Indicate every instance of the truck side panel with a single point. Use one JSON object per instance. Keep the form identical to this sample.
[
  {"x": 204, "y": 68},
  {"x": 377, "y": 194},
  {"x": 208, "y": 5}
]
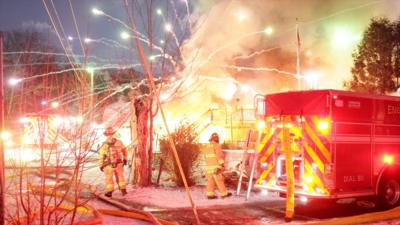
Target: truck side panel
[
  {"x": 353, "y": 167},
  {"x": 352, "y": 109}
]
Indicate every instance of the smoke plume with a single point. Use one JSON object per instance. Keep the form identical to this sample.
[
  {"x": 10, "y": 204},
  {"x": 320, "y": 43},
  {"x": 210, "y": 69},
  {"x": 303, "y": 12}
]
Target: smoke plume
[{"x": 242, "y": 47}]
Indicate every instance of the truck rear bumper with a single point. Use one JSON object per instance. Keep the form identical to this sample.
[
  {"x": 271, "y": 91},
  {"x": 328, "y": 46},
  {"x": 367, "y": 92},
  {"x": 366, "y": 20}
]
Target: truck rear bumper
[{"x": 297, "y": 192}]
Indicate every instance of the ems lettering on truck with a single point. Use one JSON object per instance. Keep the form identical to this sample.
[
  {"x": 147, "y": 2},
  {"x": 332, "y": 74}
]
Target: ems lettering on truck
[{"x": 392, "y": 109}]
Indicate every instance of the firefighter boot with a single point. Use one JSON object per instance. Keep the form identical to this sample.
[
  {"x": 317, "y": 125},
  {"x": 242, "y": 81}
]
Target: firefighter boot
[
  {"x": 227, "y": 195},
  {"x": 108, "y": 194},
  {"x": 123, "y": 191}
]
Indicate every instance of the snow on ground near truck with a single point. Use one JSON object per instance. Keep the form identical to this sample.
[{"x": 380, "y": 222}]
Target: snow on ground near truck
[{"x": 170, "y": 197}]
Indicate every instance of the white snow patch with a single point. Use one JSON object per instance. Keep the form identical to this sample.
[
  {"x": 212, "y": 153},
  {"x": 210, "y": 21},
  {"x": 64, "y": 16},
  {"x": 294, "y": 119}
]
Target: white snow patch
[{"x": 173, "y": 197}]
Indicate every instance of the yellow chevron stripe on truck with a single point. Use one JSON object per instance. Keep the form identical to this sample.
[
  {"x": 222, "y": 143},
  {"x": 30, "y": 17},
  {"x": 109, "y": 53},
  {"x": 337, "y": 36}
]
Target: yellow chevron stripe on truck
[
  {"x": 270, "y": 149},
  {"x": 265, "y": 173},
  {"x": 315, "y": 158},
  {"x": 266, "y": 154},
  {"x": 265, "y": 140},
  {"x": 325, "y": 152},
  {"x": 315, "y": 178}
]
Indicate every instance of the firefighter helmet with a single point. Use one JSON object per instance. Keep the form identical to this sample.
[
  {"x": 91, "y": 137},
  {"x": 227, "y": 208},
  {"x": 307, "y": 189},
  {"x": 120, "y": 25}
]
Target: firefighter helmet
[
  {"x": 109, "y": 131},
  {"x": 214, "y": 137}
]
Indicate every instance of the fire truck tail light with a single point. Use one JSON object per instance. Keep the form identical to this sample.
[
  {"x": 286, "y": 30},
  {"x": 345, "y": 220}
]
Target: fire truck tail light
[
  {"x": 323, "y": 126},
  {"x": 308, "y": 179},
  {"x": 388, "y": 159},
  {"x": 303, "y": 199}
]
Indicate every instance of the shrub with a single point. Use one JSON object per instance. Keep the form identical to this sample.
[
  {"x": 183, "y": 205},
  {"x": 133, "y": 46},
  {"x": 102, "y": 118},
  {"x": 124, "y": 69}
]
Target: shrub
[{"x": 188, "y": 151}]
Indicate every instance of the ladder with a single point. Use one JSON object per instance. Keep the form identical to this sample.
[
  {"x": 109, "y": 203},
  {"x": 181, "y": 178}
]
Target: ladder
[{"x": 250, "y": 133}]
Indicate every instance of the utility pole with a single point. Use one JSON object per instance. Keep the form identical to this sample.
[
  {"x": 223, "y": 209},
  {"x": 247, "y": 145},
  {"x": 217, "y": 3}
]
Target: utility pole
[
  {"x": 2, "y": 178},
  {"x": 298, "y": 57}
]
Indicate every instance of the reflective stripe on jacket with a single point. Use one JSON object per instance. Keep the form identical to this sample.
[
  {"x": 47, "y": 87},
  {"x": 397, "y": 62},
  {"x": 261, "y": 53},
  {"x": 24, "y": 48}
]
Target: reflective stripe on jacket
[
  {"x": 112, "y": 153},
  {"x": 214, "y": 157}
]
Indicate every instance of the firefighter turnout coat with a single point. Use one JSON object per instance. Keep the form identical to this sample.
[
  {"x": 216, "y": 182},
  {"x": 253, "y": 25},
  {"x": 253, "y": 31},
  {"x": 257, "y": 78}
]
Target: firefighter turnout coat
[
  {"x": 113, "y": 154},
  {"x": 214, "y": 159}
]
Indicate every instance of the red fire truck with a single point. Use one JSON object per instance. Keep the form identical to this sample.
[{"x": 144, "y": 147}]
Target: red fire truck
[{"x": 344, "y": 144}]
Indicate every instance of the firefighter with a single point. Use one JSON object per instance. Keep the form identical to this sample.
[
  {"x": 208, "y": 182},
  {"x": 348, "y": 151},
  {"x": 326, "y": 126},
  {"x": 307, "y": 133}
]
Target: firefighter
[
  {"x": 214, "y": 168},
  {"x": 113, "y": 157}
]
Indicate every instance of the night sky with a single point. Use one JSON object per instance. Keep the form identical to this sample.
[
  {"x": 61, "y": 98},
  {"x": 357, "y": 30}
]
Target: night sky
[
  {"x": 17, "y": 14},
  {"x": 32, "y": 14},
  {"x": 14, "y": 13}
]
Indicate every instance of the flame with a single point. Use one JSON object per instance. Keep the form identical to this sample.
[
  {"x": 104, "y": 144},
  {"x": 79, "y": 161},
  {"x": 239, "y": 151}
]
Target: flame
[{"x": 239, "y": 48}]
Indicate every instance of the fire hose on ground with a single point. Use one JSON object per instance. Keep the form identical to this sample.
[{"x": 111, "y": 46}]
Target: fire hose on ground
[
  {"x": 49, "y": 190},
  {"x": 360, "y": 219},
  {"x": 129, "y": 212}
]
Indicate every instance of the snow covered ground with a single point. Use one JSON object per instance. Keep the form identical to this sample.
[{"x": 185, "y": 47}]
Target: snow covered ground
[
  {"x": 172, "y": 204},
  {"x": 170, "y": 197},
  {"x": 174, "y": 200}
]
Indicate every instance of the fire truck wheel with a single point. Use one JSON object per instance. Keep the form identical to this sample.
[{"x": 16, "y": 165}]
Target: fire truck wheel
[{"x": 389, "y": 192}]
